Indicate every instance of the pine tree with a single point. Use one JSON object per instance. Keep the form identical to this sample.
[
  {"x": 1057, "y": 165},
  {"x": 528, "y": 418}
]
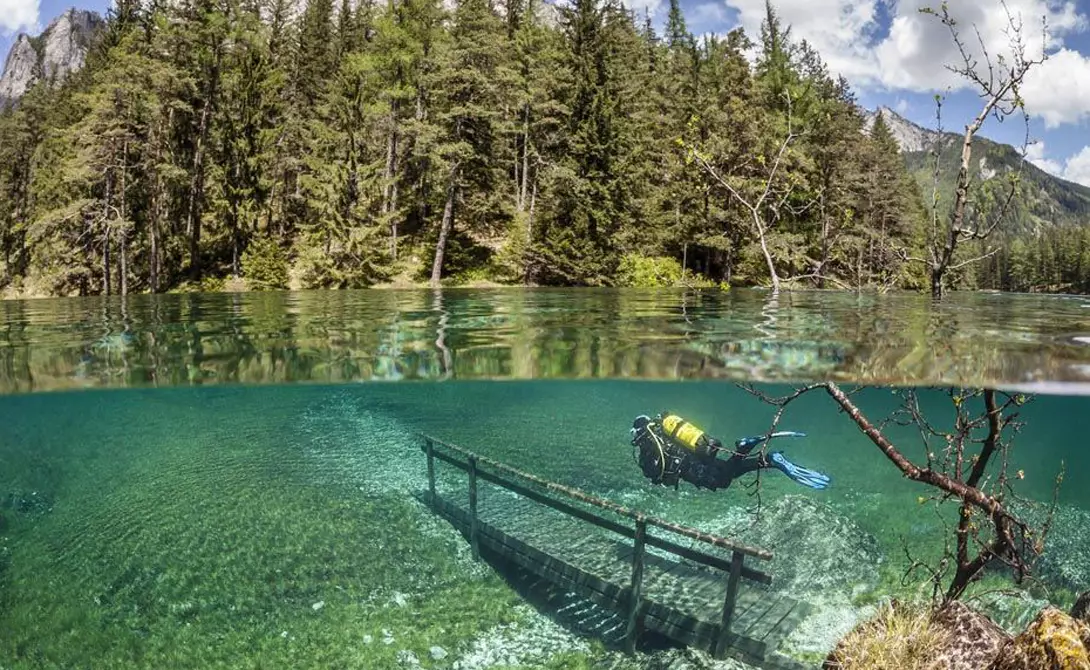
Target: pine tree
[
  {"x": 469, "y": 97},
  {"x": 591, "y": 198}
]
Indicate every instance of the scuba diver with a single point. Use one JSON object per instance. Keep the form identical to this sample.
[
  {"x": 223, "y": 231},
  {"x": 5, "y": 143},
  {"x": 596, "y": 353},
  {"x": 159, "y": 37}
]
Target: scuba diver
[{"x": 672, "y": 449}]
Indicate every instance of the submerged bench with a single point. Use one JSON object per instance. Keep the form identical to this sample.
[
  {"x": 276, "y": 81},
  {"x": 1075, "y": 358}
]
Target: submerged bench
[{"x": 686, "y": 593}]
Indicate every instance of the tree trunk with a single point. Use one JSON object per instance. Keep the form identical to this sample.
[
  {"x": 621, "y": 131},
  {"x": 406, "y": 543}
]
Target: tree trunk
[
  {"x": 106, "y": 230},
  {"x": 196, "y": 184},
  {"x": 444, "y": 230},
  {"x": 157, "y": 200},
  {"x": 389, "y": 195},
  {"x": 121, "y": 242},
  {"x": 525, "y": 158},
  {"x": 764, "y": 249}
]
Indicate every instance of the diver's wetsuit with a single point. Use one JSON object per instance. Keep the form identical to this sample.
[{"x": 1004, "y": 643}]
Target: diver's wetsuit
[{"x": 671, "y": 449}]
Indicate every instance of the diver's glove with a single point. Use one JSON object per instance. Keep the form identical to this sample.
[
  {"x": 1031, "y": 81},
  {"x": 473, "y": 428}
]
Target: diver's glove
[
  {"x": 747, "y": 443},
  {"x": 804, "y": 476}
]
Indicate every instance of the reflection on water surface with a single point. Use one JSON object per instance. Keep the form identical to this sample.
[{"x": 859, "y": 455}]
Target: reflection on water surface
[{"x": 971, "y": 339}]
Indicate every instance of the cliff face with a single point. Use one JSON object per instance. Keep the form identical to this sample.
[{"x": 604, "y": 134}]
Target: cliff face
[
  {"x": 19, "y": 68},
  {"x": 60, "y": 50}
]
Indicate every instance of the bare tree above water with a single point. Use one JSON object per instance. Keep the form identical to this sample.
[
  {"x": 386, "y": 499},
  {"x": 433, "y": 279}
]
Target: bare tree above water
[
  {"x": 765, "y": 198},
  {"x": 998, "y": 83},
  {"x": 968, "y": 464}
]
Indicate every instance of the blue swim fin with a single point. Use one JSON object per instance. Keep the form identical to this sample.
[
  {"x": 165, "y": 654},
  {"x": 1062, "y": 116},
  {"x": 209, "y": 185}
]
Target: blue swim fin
[{"x": 804, "y": 476}]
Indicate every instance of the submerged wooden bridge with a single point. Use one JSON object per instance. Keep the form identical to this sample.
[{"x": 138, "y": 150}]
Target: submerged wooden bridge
[{"x": 706, "y": 597}]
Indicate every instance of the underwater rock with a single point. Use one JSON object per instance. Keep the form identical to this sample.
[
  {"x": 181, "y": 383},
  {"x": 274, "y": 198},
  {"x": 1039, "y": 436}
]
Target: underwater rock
[
  {"x": 954, "y": 637},
  {"x": 1054, "y": 641},
  {"x": 973, "y": 639},
  {"x": 1081, "y": 610}
]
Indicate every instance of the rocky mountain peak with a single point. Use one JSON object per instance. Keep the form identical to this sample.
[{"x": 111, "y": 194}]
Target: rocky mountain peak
[
  {"x": 60, "y": 50},
  {"x": 910, "y": 136}
]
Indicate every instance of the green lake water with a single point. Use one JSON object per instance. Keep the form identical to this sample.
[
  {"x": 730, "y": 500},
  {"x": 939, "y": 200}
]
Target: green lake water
[{"x": 233, "y": 481}]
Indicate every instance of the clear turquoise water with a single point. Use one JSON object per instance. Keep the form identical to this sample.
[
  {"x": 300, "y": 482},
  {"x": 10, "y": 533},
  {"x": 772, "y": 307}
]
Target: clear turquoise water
[{"x": 275, "y": 524}]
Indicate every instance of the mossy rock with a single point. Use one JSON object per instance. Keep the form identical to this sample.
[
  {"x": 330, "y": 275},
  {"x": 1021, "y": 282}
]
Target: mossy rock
[{"x": 1054, "y": 641}]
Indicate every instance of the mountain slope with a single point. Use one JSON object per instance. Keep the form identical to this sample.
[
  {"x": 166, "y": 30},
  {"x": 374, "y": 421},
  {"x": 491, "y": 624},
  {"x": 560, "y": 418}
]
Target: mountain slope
[
  {"x": 1043, "y": 200},
  {"x": 59, "y": 51}
]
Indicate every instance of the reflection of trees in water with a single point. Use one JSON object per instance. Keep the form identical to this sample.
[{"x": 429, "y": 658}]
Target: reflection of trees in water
[{"x": 339, "y": 336}]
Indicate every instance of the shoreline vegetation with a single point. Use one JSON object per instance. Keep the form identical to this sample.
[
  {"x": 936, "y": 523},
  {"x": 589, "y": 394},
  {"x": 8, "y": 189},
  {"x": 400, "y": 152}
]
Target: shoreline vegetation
[{"x": 210, "y": 144}]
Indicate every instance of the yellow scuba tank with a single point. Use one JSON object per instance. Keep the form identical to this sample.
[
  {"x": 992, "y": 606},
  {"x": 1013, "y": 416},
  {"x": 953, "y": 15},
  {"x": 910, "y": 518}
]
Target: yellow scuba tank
[{"x": 686, "y": 434}]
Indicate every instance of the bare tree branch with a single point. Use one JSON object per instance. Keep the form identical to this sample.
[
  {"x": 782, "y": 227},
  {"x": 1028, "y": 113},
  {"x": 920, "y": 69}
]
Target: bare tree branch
[
  {"x": 755, "y": 207},
  {"x": 987, "y": 529},
  {"x": 1000, "y": 90}
]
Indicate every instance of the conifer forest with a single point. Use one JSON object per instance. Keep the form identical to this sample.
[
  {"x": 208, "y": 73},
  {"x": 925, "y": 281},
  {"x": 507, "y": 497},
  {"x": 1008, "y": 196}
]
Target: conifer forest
[{"x": 271, "y": 144}]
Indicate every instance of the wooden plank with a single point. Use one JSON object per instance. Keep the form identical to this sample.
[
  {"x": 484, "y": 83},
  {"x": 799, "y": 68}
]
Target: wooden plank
[
  {"x": 772, "y": 622},
  {"x": 712, "y": 595},
  {"x": 707, "y": 559},
  {"x": 662, "y": 617},
  {"x": 625, "y": 531},
  {"x": 787, "y": 626},
  {"x": 582, "y": 496}
]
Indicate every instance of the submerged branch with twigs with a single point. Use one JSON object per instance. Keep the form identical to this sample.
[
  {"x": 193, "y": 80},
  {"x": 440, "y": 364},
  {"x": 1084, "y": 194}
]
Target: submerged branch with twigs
[{"x": 968, "y": 464}]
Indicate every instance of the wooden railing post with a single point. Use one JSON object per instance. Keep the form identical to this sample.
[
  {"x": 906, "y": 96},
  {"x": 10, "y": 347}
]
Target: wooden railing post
[
  {"x": 431, "y": 471},
  {"x": 635, "y": 585},
  {"x": 736, "y": 560},
  {"x": 473, "y": 507}
]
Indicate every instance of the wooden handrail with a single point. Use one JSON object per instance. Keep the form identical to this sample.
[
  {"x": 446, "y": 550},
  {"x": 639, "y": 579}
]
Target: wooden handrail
[
  {"x": 582, "y": 496},
  {"x": 601, "y": 522}
]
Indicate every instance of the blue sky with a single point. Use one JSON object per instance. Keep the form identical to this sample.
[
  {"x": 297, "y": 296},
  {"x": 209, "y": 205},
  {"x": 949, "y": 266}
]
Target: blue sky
[{"x": 891, "y": 53}]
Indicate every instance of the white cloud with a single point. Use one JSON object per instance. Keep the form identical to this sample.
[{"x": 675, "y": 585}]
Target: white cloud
[
  {"x": 1076, "y": 168},
  {"x": 911, "y": 55},
  {"x": 902, "y": 106},
  {"x": 16, "y": 15},
  {"x": 1059, "y": 91}
]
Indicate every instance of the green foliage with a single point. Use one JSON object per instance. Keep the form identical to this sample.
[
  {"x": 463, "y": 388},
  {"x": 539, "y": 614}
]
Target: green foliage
[
  {"x": 648, "y": 272},
  {"x": 372, "y": 140},
  {"x": 264, "y": 265}
]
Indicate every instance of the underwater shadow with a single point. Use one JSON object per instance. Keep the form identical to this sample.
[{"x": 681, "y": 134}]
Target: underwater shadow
[{"x": 575, "y": 613}]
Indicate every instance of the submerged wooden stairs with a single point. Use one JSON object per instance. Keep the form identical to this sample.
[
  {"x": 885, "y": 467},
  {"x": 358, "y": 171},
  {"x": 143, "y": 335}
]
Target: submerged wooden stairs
[{"x": 701, "y": 593}]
